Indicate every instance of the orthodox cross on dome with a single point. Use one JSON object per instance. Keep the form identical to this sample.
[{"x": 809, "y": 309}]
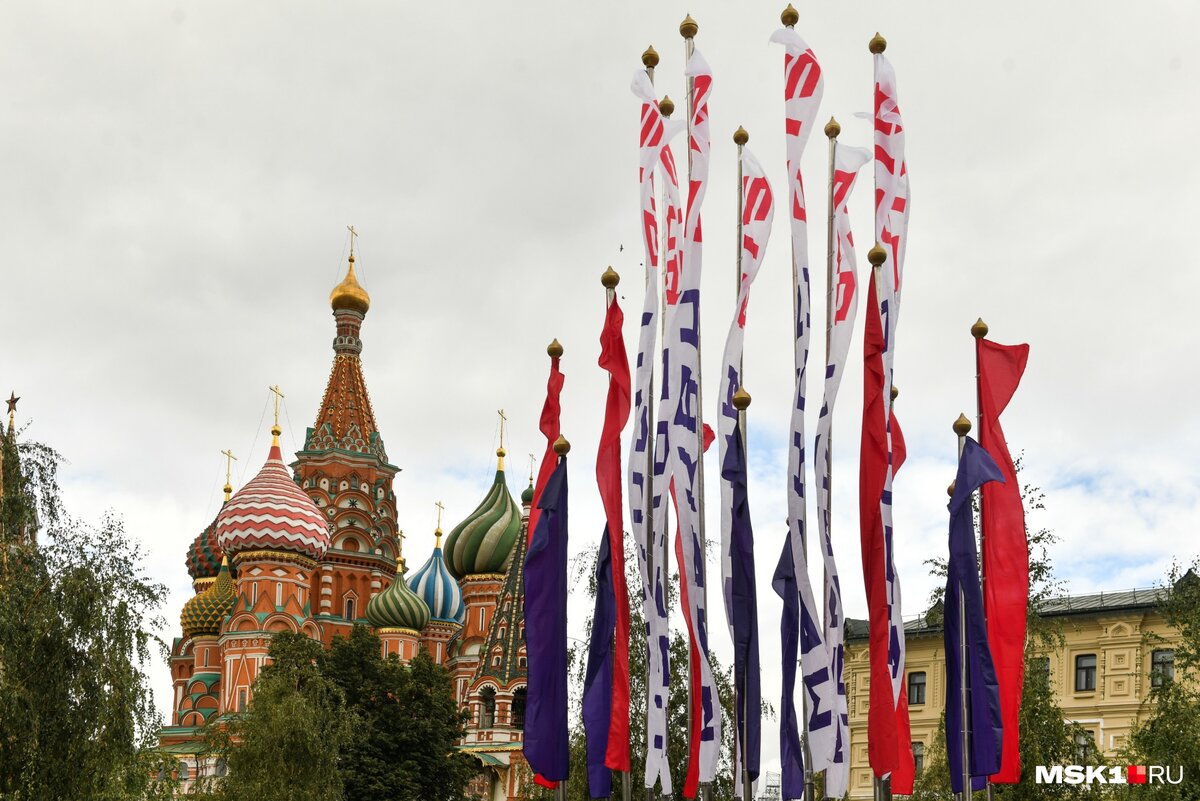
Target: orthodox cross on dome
[
  {"x": 532, "y": 462},
  {"x": 353, "y": 236},
  {"x": 500, "y": 451},
  {"x": 438, "y": 531},
  {"x": 278, "y": 396},
  {"x": 229, "y": 460},
  {"x": 400, "y": 544}
]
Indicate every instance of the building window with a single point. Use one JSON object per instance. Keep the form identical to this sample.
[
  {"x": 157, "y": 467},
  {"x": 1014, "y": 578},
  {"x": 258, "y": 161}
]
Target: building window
[
  {"x": 222, "y": 768},
  {"x": 349, "y": 609},
  {"x": 1084, "y": 747},
  {"x": 918, "y": 750},
  {"x": 487, "y": 708},
  {"x": 241, "y": 700},
  {"x": 518, "y": 709},
  {"x": 1162, "y": 667},
  {"x": 916, "y": 688},
  {"x": 1042, "y": 666},
  {"x": 279, "y": 593},
  {"x": 1085, "y": 673}
]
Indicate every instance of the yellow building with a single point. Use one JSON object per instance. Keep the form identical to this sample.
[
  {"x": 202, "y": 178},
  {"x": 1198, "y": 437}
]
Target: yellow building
[{"x": 1116, "y": 644}]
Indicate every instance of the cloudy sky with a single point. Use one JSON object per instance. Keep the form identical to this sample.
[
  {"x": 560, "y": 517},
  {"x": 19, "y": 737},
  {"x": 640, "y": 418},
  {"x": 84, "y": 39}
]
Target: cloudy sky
[{"x": 178, "y": 178}]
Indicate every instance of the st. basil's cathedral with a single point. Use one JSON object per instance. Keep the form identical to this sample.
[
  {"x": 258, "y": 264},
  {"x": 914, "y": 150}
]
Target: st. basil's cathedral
[{"x": 314, "y": 547}]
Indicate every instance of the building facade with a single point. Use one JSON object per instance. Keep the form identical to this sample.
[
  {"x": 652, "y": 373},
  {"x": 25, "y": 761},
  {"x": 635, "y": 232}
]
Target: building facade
[
  {"x": 1116, "y": 645},
  {"x": 314, "y": 547}
]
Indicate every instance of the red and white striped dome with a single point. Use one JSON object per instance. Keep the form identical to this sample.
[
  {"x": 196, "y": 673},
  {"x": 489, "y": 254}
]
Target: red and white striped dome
[{"x": 271, "y": 513}]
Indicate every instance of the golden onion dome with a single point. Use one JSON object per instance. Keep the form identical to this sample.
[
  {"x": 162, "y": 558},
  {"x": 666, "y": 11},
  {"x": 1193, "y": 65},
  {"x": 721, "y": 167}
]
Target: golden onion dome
[{"x": 349, "y": 294}]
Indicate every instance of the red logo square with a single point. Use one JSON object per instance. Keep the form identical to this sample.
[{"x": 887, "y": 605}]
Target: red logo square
[{"x": 1135, "y": 774}]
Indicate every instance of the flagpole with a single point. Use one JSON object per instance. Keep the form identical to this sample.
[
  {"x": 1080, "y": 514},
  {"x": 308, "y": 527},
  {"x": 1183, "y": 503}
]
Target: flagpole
[
  {"x": 650, "y": 61},
  {"x": 688, "y": 30},
  {"x": 978, "y": 331},
  {"x": 962, "y": 427},
  {"x": 741, "y": 401}
]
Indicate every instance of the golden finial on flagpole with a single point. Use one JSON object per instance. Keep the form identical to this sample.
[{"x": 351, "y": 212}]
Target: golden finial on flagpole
[
  {"x": 610, "y": 278},
  {"x": 275, "y": 429},
  {"x": 877, "y": 44},
  {"x": 833, "y": 128},
  {"x": 790, "y": 16},
  {"x": 950, "y": 489},
  {"x": 962, "y": 426},
  {"x": 666, "y": 106},
  {"x": 500, "y": 452},
  {"x": 229, "y": 460},
  {"x": 554, "y": 350},
  {"x": 561, "y": 446},
  {"x": 895, "y": 391},
  {"x": 650, "y": 58},
  {"x": 740, "y": 137},
  {"x": 980, "y": 329},
  {"x": 876, "y": 255},
  {"x": 741, "y": 399},
  {"x": 688, "y": 28}
]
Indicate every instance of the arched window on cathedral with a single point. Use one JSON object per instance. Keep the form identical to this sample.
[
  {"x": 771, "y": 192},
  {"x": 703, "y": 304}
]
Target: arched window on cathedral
[
  {"x": 487, "y": 708},
  {"x": 518, "y": 709},
  {"x": 349, "y": 609}
]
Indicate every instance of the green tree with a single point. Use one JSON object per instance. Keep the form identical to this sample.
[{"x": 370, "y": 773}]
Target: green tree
[
  {"x": 1167, "y": 736},
  {"x": 405, "y": 724},
  {"x": 78, "y": 623},
  {"x": 289, "y": 744}
]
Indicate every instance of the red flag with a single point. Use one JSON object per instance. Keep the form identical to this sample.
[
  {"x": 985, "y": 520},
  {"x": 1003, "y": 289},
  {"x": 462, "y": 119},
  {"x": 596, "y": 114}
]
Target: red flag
[
  {"x": 615, "y": 360},
  {"x": 905, "y": 773},
  {"x": 882, "y": 741},
  {"x": 1005, "y": 549},
  {"x": 549, "y": 426}
]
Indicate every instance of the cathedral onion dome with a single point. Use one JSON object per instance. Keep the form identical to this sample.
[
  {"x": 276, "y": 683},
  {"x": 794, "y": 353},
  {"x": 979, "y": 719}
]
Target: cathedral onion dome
[
  {"x": 398, "y": 607},
  {"x": 271, "y": 513},
  {"x": 434, "y": 585},
  {"x": 205, "y": 612},
  {"x": 349, "y": 294},
  {"x": 527, "y": 495},
  {"x": 483, "y": 543},
  {"x": 204, "y": 555}
]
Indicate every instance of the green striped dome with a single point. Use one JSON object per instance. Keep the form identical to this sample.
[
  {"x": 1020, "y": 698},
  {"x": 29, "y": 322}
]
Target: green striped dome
[
  {"x": 207, "y": 610},
  {"x": 398, "y": 607},
  {"x": 483, "y": 543}
]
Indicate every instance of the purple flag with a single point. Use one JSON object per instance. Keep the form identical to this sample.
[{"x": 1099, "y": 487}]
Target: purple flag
[
  {"x": 744, "y": 606},
  {"x": 791, "y": 756},
  {"x": 597, "y": 681},
  {"x": 546, "y": 633},
  {"x": 984, "y": 726}
]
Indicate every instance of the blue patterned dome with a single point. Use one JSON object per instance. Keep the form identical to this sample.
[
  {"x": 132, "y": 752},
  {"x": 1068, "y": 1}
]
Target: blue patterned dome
[{"x": 433, "y": 584}]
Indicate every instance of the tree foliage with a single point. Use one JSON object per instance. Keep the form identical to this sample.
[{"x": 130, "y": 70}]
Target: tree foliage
[
  {"x": 346, "y": 723},
  {"x": 1168, "y": 734},
  {"x": 77, "y": 625}
]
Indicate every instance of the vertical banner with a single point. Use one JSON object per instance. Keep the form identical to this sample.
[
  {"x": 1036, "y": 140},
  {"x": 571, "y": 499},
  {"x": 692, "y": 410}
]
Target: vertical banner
[
  {"x": 546, "y": 733},
  {"x": 682, "y": 368},
  {"x": 646, "y": 469},
  {"x": 847, "y": 163},
  {"x": 548, "y": 424},
  {"x": 964, "y": 621},
  {"x": 1005, "y": 549},
  {"x": 802, "y": 92},
  {"x": 892, "y": 206},
  {"x": 615, "y": 361},
  {"x": 758, "y": 209}
]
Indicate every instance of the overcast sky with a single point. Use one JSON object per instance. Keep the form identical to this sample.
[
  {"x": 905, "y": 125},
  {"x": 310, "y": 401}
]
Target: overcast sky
[{"x": 178, "y": 178}]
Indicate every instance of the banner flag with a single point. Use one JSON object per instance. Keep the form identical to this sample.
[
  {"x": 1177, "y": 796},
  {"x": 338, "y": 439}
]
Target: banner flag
[
  {"x": 1005, "y": 549},
  {"x": 615, "y": 361},
  {"x": 654, "y": 148},
  {"x": 598, "y": 676},
  {"x": 758, "y": 209},
  {"x": 975, "y": 469},
  {"x": 546, "y": 732},
  {"x": 548, "y": 424},
  {"x": 681, "y": 361},
  {"x": 747, "y": 679},
  {"x": 847, "y": 163}
]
